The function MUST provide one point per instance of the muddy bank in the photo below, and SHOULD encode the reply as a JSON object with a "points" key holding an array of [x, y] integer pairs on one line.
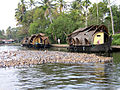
{"points": [[19, 58]]}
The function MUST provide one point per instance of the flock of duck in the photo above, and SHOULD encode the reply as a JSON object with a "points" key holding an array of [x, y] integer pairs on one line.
{"points": [[20, 58]]}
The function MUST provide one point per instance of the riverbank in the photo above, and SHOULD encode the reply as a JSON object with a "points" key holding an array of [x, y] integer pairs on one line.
{"points": [[115, 48], [20, 58], [11, 44]]}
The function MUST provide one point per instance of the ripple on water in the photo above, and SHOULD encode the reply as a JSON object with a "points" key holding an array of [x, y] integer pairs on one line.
{"points": [[60, 76], [89, 76]]}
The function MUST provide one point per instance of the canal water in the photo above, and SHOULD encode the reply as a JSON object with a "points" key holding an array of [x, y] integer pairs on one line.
{"points": [[88, 76]]}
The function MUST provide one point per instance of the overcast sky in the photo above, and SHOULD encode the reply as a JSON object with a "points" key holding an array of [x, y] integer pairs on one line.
{"points": [[7, 12]]}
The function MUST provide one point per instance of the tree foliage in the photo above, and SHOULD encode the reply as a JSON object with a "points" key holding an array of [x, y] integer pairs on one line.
{"points": [[2, 34], [60, 28], [57, 18]]}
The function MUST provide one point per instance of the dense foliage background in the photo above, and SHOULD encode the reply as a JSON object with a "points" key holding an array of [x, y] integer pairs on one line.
{"points": [[58, 18]]}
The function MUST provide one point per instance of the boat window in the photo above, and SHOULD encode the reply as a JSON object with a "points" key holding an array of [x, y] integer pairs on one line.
{"points": [[40, 40], [77, 41], [86, 41], [98, 35]]}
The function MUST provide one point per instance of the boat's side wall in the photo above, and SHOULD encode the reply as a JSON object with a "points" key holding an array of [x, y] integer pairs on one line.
{"points": [[98, 38]]}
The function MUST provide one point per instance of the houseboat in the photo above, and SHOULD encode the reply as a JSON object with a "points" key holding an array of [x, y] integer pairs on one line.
{"points": [[24, 42], [36, 41], [94, 38]]}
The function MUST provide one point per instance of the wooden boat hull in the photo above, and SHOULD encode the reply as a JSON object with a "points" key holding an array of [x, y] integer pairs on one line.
{"points": [[41, 45], [91, 48], [36, 45], [94, 48]]}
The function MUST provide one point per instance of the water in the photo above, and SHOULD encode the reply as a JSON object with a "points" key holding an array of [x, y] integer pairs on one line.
{"points": [[89, 76]]}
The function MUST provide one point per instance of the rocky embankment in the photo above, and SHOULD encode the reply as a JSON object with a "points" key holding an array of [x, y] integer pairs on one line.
{"points": [[19, 58]]}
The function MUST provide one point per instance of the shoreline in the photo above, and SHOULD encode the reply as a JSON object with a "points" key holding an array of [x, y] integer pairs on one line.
{"points": [[20, 58], [55, 45], [115, 48]]}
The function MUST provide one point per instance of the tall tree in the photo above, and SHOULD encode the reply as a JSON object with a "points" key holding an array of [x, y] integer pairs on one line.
{"points": [[2, 34], [76, 13], [20, 12], [112, 22], [97, 12], [48, 7], [9, 33], [77, 6], [32, 3], [60, 28], [86, 4], [40, 23], [61, 5], [102, 11], [24, 17]]}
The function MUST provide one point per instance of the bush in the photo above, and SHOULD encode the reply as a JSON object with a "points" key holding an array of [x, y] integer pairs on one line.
{"points": [[116, 39]]}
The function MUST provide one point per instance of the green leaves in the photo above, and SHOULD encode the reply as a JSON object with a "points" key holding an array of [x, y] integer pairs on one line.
{"points": [[58, 18], [40, 23], [116, 39], [2, 36], [61, 27]]}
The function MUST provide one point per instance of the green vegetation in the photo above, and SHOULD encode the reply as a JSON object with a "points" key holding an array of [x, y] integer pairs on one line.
{"points": [[116, 39], [58, 18], [2, 34], [60, 28]]}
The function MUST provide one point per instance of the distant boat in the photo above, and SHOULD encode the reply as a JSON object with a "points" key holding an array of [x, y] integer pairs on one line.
{"points": [[7, 41], [94, 38], [36, 41]]}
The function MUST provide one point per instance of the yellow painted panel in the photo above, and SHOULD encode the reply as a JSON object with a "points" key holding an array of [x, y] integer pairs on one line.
{"points": [[39, 40], [99, 38], [33, 41]]}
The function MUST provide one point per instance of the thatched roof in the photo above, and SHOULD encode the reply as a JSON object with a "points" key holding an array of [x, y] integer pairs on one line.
{"points": [[41, 34], [80, 29], [44, 38], [92, 27], [28, 40]]}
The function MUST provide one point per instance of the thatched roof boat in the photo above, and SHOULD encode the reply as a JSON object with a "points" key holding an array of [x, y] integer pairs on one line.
{"points": [[36, 40], [84, 39]]}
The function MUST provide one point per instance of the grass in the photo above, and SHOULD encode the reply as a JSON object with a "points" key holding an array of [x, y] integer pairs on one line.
{"points": [[116, 39]]}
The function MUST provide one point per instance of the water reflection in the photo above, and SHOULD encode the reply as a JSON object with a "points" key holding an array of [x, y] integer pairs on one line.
{"points": [[68, 76], [8, 79], [89, 76], [11, 48]]}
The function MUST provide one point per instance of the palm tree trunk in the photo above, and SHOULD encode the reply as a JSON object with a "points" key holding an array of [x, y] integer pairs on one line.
{"points": [[111, 17], [86, 18], [97, 13]]}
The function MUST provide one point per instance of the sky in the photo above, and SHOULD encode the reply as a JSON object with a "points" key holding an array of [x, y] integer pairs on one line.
{"points": [[7, 12]]}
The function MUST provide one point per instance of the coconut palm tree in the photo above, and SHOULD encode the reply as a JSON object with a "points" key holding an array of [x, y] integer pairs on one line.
{"points": [[77, 5], [86, 4], [48, 6], [61, 4], [20, 11], [32, 3], [111, 17], [97, 12]]}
